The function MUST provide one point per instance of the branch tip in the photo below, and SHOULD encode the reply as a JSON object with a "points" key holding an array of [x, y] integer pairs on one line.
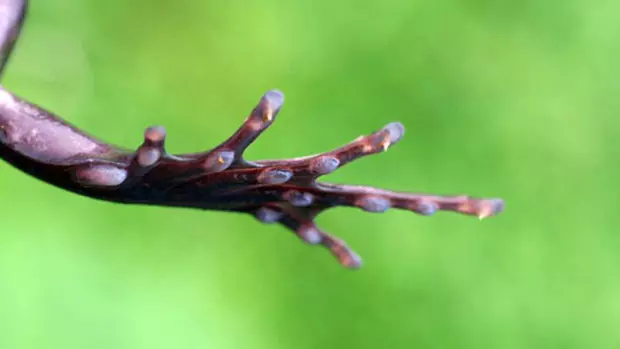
{"points": [[395, 132], [490, 207], [155, 136], [345, 255]]}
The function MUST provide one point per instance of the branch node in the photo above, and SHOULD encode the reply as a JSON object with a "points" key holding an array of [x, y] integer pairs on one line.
{"points": [[274, 176], [268, 215], [298, 199], [100, 176], [148, 156], [218, 161], [426, 207], [323, 165], [375, 204]]}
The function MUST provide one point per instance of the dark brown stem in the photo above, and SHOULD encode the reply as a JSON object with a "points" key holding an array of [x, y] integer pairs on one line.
{"points": [[274, 191]]}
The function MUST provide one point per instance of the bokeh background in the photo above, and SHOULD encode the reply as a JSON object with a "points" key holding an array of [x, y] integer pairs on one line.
{"points": [[511, 99]]}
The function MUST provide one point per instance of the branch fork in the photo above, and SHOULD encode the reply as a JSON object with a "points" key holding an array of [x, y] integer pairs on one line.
{"points": [[286, 192]]}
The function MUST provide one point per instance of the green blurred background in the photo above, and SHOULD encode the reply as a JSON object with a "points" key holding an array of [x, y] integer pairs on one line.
{"points": [[514, 99]]}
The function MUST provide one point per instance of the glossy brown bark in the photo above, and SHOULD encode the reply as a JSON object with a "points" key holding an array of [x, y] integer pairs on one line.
{"points": [[274, 191]]}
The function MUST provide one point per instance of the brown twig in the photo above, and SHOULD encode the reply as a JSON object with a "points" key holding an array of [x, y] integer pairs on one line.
{"points": [[274, 191]]}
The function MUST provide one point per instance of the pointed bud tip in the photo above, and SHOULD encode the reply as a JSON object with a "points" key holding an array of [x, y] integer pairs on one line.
{"points": [[396, 131], [490, 207], [351, 261], [275, 98], [155, 134]]}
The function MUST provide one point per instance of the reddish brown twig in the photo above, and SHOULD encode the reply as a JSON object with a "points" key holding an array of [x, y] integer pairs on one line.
{"points": [[274, 191]]}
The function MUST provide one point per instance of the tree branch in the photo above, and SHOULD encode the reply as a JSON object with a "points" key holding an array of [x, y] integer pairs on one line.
{"points": [[274, 191]]}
